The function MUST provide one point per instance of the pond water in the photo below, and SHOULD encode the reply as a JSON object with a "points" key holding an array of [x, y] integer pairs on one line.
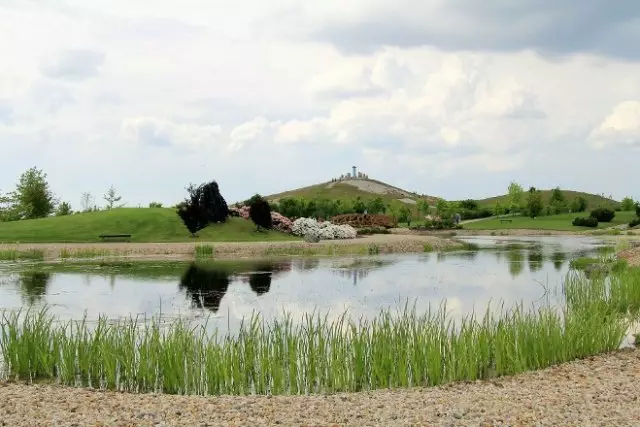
{"points": [[505, 270]]}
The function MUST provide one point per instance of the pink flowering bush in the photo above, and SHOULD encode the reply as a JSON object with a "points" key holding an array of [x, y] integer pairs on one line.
{"points": [[280, 222]]}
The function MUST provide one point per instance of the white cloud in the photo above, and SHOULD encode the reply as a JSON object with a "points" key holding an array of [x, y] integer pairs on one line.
{"points": [[621, 127], [163, 133], [208, 92]]}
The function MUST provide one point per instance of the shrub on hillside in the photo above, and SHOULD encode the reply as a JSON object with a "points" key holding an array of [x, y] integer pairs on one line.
{"points": [[638, 209], [634, 222], [204, 205], [364, 220], [579, 204], [588, 221], [603, 214], [466, 214], [260, 212]]}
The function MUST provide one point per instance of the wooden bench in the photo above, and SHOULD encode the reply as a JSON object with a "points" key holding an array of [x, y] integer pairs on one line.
{"points": [[505, 220], [114, 236]]}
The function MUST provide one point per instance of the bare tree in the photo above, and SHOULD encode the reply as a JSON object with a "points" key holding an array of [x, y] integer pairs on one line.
{"points": [[111, 197], [86, 201]]}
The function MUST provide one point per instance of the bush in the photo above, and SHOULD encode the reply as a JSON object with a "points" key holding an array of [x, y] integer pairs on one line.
{"points": [[260, 212], [204, 205], [638, 209], [603, 214], [589, 221], [155, 205], [372, 230], [634, 222]]}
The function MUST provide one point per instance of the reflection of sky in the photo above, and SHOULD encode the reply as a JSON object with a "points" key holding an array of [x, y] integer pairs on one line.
{"points": [[468, 281]]}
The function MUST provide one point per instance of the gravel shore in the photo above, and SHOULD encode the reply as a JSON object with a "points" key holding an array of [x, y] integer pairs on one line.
{"points": [[385, 243], [598, 391]]}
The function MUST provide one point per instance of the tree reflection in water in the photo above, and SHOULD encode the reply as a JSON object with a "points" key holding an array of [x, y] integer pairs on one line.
{"points": [[207, 286], [33, 285]]}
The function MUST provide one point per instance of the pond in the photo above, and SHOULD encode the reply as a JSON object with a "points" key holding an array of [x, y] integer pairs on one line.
{"points": [[505, 270]]}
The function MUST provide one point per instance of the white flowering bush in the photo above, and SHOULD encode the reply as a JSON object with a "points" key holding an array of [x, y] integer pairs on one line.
{"points": [[323, 230]]}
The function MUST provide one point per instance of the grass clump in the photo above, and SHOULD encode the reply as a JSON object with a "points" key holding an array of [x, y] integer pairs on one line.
{"points": [[398, 349], [204, 251], [17, 255], [87, 253]]}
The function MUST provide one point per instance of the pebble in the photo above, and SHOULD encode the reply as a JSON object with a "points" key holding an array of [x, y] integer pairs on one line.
{"points": [[554, 396]]}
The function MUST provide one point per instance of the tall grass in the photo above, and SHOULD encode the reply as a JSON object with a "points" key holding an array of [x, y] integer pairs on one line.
{"points": [[394, 349], [17, 255], [88, 253], [204, 251]]}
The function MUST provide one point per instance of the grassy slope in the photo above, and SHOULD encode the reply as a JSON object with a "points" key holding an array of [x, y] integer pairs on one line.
{"points": [[145, 224], [593, 200], [342, 191], [552, 222]]}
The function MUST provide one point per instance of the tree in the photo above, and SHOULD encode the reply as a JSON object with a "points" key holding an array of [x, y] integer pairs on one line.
{"points": [[637, 206], [557, 196], [111, 197], [404, 215], [64, 209], [260, 212], [627, 204], [534, 203], [423, 207], [87, 202], [469, 204], [579, 204], [499, 209], [32, 197], [376, 206], [155, 205], [514, 196], [204, 205], [441, 207]]}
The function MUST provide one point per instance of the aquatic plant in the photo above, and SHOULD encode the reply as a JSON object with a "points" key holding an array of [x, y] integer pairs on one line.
{"points": [[317, 355]]}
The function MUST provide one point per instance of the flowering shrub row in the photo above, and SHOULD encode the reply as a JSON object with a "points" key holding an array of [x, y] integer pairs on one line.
{"points": [[323, 230]]}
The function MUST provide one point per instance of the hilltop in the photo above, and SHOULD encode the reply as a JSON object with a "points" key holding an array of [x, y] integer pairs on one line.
{"points": [[350, 188], [593, 200]]}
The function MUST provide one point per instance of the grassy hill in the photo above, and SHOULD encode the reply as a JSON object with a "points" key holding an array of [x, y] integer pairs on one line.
{"points": [[593, 200], [552, 222], [145, 225], [349, 189]]}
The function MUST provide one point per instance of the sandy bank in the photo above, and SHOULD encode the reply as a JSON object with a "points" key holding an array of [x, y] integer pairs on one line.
{"points": [[601, 390], [381, 243]]}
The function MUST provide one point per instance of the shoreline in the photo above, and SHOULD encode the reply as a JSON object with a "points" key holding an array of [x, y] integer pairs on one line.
{"points": [[372, 244], [399, 240], [597, 390]]}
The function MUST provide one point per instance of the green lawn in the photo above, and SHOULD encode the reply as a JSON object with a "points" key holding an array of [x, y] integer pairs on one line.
{"points": [[553, 222], [145, 225]]}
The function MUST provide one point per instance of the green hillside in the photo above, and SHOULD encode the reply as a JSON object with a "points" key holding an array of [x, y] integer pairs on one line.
{"points": [[551, 222], [144, 224], [349, 189], [593, 200]]}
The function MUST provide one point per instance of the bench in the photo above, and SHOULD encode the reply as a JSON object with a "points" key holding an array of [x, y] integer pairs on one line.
{"points": [[505, 220], [114, 236]]}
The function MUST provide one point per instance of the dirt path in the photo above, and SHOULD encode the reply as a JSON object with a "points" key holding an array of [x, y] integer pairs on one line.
{"points": [[382, 243], [599, 391]]}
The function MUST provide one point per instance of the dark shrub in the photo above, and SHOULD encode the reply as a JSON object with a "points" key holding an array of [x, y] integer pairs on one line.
{"points": [[469, 204], [260, 212], [603, 214], [372, 230], [585, 222], [634, 222], [204, 205], [637, 209]]}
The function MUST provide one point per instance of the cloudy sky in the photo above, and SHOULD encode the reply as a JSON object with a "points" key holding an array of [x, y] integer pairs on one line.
{"points": [[447, 98]]}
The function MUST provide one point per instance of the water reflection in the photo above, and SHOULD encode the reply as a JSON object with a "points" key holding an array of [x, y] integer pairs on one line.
{"points": [[515, 259], [205, 287], [535, 259], [558, 259], [33, 285]]}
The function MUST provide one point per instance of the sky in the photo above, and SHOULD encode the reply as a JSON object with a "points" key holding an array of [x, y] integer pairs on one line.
{"points": [[445, 98]]}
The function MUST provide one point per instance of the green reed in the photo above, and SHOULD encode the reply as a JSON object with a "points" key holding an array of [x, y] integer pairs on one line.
{"points": [[19, 255], [204, 251], [397, 348]]}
